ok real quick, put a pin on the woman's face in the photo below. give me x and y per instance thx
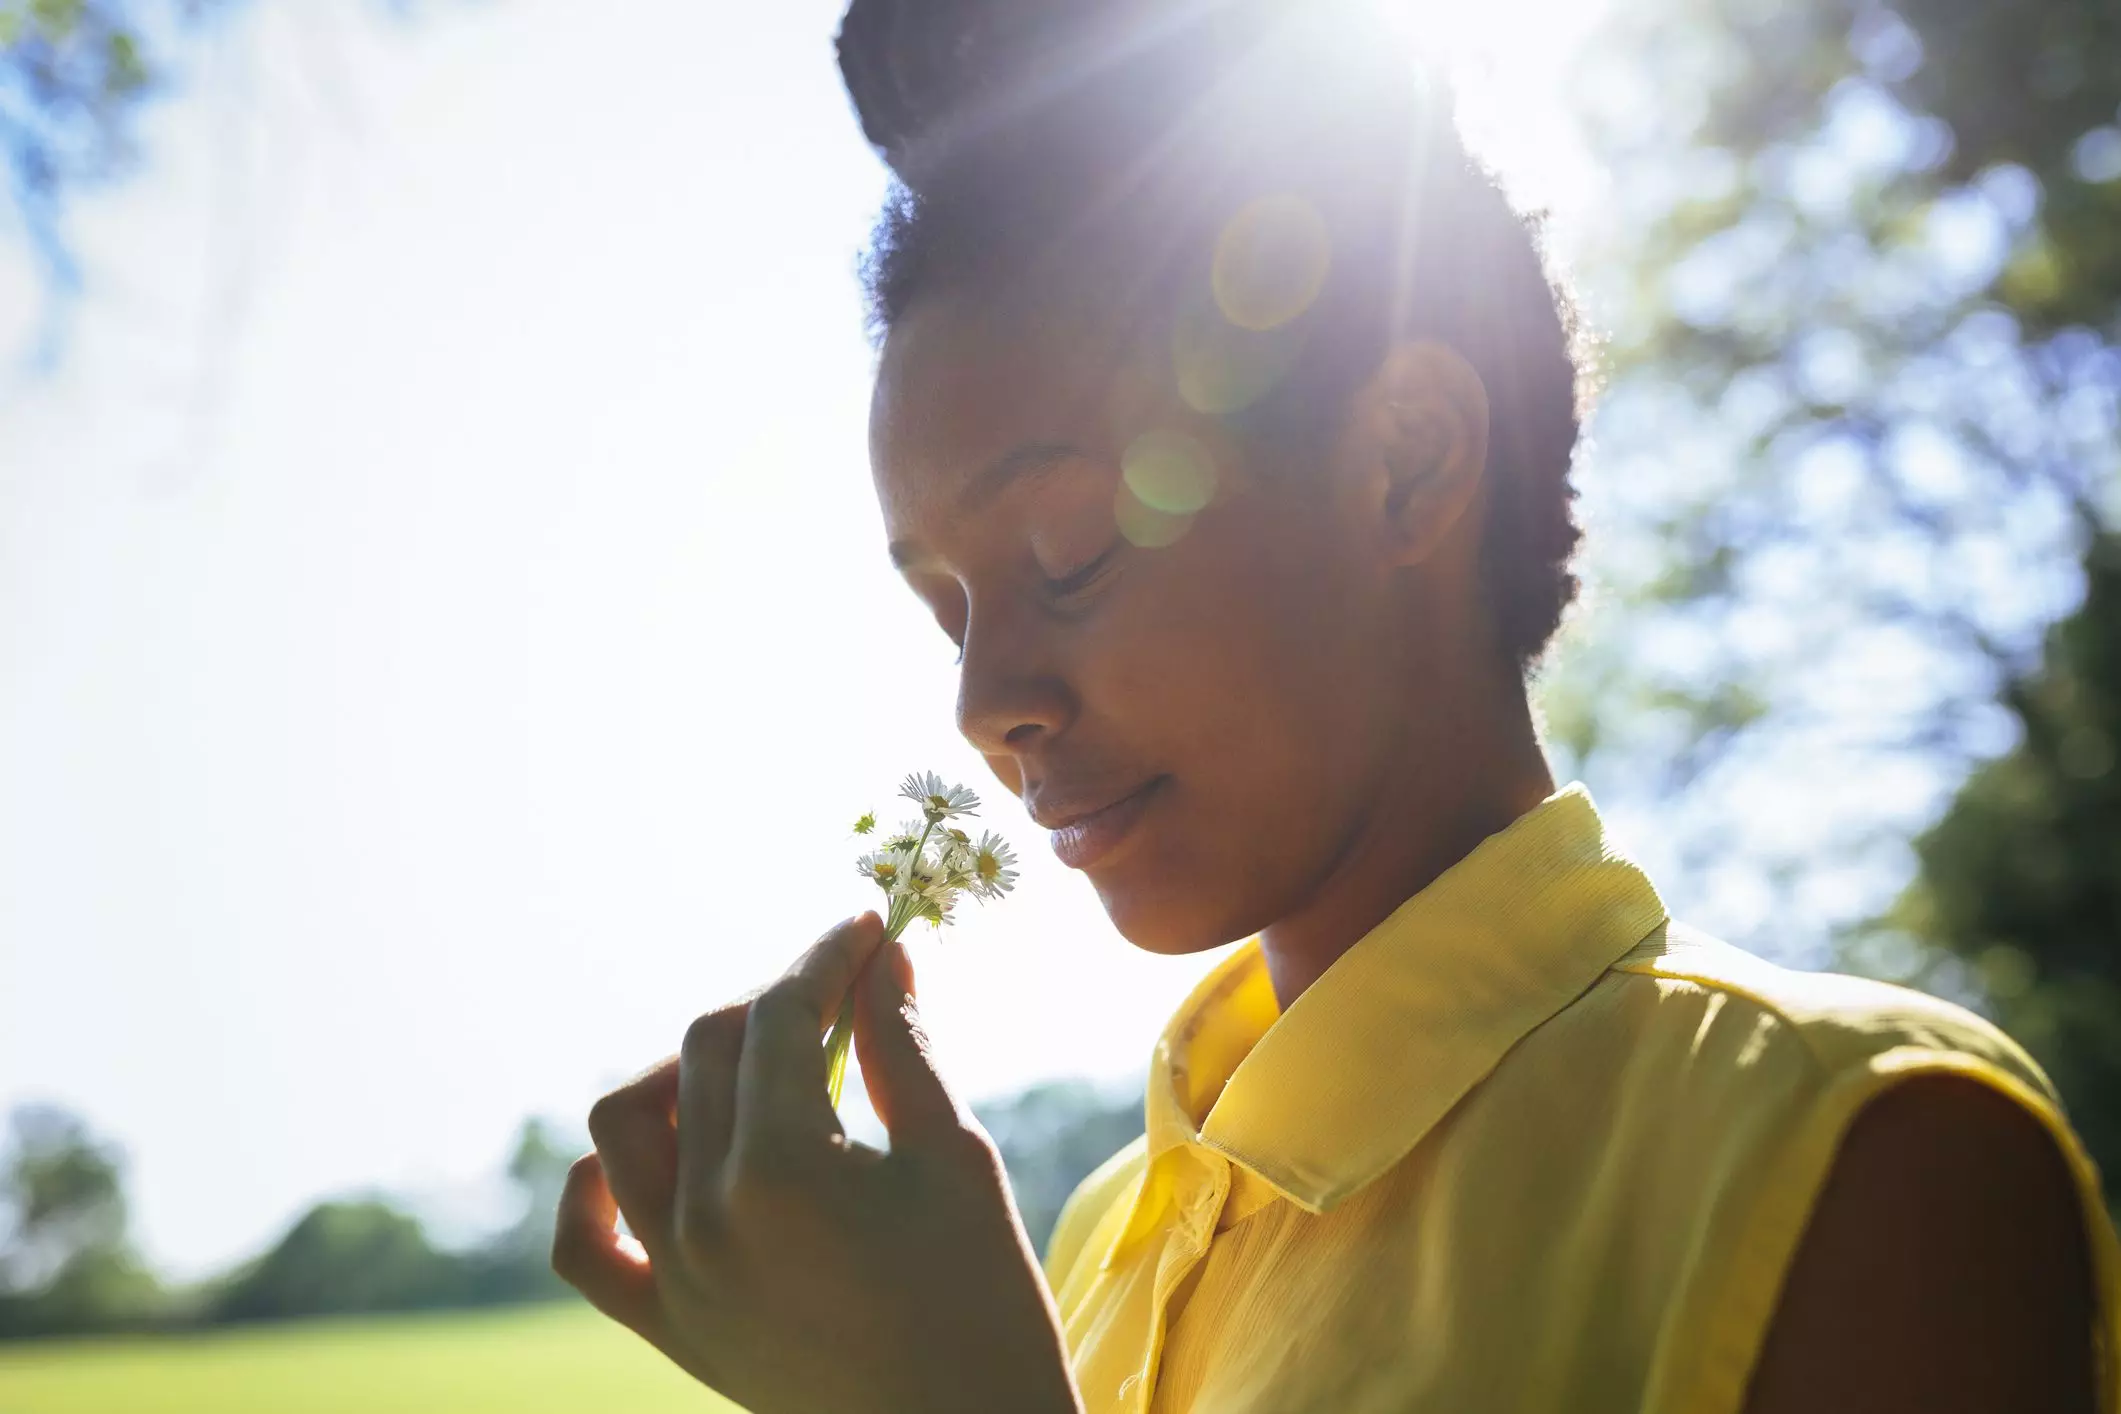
(1202, 724)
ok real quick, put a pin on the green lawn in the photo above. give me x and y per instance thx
(558, 1358)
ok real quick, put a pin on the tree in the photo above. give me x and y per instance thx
(342, 1258)
(1866, 418)
(538, 1168)
(369, 1255)
(2020, 882)
(74, 76)
(517, 1264)
(63, 1193)
(1051, 1136)
(1865, 309)
(65, 1262)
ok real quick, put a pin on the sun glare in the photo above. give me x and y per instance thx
(1509, 63)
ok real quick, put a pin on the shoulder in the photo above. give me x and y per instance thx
(1825, 1023)
(1792, 1106)
(1100, 1199)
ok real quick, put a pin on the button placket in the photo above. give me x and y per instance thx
(1198, 1198)
(1203, 1202)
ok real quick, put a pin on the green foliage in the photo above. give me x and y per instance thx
(100, 1289)
(1052, 1136)
(73, 77)
(74, 1273)
(65, 1263)
(2021, 879)
(62, 1191)
(342, 1258)
(370, 1256)
(66, 1267)
(1864, 302)
(2037, 86)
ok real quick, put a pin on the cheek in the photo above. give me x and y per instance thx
(1256, 656)
(1256, 687)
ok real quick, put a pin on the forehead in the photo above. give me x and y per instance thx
(964, 384)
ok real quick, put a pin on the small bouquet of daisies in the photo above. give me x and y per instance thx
(923, 869)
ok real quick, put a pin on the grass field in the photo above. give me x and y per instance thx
(528, 1361)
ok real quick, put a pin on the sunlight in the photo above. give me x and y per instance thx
(1510, 63)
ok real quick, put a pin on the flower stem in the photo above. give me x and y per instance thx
(842, 1038)
(836, 1046)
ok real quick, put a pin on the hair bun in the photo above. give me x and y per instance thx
(935, 80)
(919, 71)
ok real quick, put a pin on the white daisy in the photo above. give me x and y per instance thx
(931, 878)
(993, 867)
(953, 849)
(924, 869)
(886, 868)
(937, 801)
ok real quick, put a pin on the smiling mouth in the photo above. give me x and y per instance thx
(1086, 839)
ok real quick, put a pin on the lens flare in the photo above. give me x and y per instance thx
(1223, 369)
(1169, 472)
(1271, 261)
(1144, 525)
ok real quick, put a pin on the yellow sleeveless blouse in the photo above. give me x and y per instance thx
(1528, 1145)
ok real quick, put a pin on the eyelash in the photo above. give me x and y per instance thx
(1067, 586)
(1081, 579)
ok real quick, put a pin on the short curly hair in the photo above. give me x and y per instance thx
(1104, 145)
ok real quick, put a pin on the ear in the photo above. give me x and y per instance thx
(1419, 430)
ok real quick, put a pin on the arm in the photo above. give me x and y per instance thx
(1944, 1270)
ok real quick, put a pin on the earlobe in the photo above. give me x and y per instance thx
(1426, 413)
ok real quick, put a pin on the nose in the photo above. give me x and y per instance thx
(1010, 694)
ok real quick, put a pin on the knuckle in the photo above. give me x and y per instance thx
(705, 1035)
(779, 1005)
(967, 1147)
(701, 1225)
(763, 1184)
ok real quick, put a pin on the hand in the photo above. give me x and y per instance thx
(788, 1267)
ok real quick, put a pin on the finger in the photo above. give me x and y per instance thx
(898, 1061)
(635, 1131)
(707, 1070)
(782, 1070)
(899, 963)
(589, 1256)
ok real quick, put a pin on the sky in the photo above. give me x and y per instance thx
(444, 629)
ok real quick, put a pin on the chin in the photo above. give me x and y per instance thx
(1167, 917)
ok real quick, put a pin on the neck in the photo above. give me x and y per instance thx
(1463, 773)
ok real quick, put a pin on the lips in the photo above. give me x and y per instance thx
(1085, 834)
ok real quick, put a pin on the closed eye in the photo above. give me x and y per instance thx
(1076, 581)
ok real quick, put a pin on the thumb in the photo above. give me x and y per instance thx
(898, 1063)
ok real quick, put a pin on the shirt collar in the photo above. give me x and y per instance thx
(1324, 1097)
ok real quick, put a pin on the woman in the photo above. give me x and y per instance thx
(1223, 420)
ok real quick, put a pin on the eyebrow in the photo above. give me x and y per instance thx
(1032, 460)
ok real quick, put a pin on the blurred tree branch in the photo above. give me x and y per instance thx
(74, 76)
(1864, 303)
